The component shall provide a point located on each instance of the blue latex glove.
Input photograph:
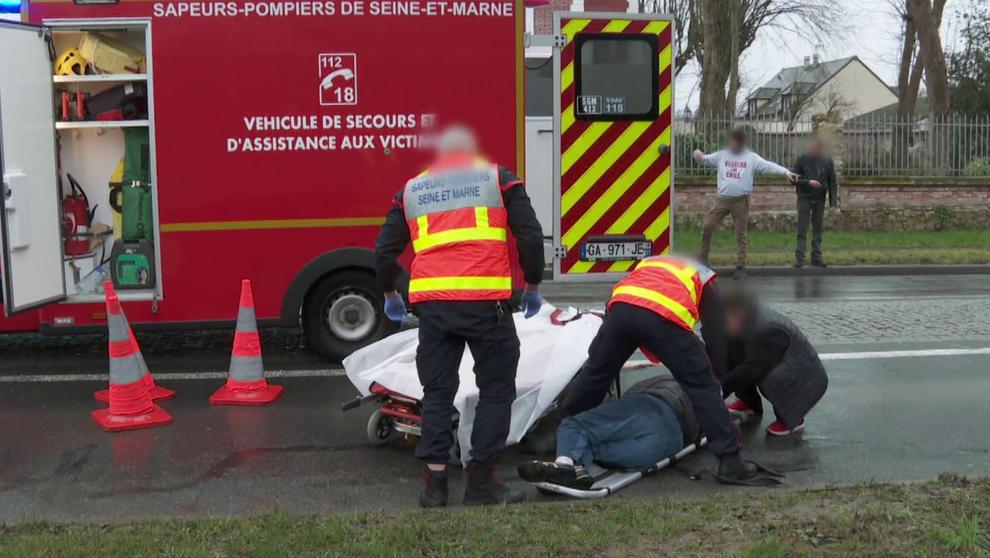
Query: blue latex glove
(531, 301)
(395, 307)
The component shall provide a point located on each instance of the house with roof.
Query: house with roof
(845, 88)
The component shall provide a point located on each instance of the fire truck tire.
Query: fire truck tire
(343, 312)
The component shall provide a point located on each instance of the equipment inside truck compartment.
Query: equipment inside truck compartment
(104, 136)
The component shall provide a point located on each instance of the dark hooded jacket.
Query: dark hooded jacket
(782, 363)
(665, 387)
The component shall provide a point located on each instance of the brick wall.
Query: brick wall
(606, 5)
(879, 205)
(695, 196)
(543, 16)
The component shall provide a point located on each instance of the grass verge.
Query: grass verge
(846, 248)
(947, 517)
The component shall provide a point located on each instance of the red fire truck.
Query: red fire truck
(279, 132)
(275, 135)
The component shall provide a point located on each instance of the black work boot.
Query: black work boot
(573, 476)
(434, 489)
(733, 469)
(484, 488)
(740, 273)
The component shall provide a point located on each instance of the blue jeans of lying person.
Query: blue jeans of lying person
(632, 432)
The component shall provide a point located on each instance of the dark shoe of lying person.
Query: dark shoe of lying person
(484, 488)
(434, 489)
(572, 476)
(733, 469)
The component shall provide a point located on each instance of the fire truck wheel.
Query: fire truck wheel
(381, 429)
(343, 312)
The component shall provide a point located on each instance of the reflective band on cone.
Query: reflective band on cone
(246, 383)
(130, 404)
(155, 391)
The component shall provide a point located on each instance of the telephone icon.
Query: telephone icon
(345, 73)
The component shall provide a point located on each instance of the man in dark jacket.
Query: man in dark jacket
(769, 356)
(817, 179)
(651, 421)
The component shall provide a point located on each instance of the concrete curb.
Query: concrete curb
(858, 270)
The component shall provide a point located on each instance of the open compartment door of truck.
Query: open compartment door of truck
(613, 81)
(30, 205)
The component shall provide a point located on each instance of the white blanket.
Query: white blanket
(550, 356)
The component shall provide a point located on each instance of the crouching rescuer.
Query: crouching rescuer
(656, 307)
(457, 214)
(769, 355)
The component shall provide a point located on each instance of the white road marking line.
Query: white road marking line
(337, 372)
(868, 355)
(166, 376)
(905, 354)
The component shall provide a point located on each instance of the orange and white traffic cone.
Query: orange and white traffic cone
(156, 392)
(246, 383)
(130, 405)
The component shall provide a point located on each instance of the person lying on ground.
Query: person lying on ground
(769, 356)
(651, 421)
(656, 308)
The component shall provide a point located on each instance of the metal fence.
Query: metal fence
(871, 144)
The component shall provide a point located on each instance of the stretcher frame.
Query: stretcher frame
(608, 482)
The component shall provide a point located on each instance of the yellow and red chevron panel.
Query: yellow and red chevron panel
(613, 179)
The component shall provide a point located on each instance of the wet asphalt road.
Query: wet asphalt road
(887, 416)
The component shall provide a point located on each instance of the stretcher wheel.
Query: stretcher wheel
(381, 430)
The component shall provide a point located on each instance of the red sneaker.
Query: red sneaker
(738, 407)
(779, 429)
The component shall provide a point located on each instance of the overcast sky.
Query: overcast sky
(872, 33)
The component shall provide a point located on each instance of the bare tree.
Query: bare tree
(741, 21)
(911, 65)
(922, 57)
(715, 55)
(829, 104)
(685, 34)
(926, 15)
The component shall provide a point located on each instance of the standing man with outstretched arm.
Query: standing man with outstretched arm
(457, 214)
(737, 166)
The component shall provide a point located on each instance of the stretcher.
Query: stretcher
(610, 481)
(397, 416)
(553, 346)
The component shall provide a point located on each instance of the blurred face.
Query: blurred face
(457, 139)
(734, 144)
(735, 323)
(816, 147)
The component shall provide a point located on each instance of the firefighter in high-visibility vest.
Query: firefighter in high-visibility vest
(656, 308)
(458, 214)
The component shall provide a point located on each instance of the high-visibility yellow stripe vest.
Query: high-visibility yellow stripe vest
(666, 285)
(459, 230)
